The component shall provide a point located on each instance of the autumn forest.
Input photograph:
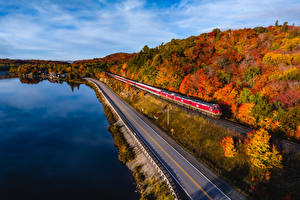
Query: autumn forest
(252, 73)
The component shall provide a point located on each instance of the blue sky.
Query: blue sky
(81, 29)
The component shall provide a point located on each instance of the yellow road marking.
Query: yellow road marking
(191, 178)
(174, 161)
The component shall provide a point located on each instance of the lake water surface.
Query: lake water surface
(54, 144)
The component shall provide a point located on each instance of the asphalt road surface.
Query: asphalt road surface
(195, 184)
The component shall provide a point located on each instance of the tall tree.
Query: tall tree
(261, 154)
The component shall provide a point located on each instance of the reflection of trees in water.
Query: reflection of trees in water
(55, 81)
(5, 74)
(25, 80)
(73, 85)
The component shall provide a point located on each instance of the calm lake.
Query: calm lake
(54, 144)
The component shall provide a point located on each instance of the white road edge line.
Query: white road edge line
(185, 159)
(153, 153)
(181, 156)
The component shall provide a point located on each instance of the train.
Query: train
(209, 109)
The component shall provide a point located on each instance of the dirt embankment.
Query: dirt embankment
(201, 138)
(149, 183)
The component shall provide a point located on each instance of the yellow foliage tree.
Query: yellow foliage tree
(277, 58)
(228, 147)
(261, 154)
(290, 44)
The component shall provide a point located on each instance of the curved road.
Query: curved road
(190, 179)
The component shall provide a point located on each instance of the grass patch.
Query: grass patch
(150, 188)
(202, 139)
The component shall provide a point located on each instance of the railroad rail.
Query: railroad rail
(191, 180)
(211, 111)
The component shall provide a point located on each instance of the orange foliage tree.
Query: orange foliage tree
(199, 85)
(244, 113)
(228, 147)
(127, 86)
(169, 77)
(227, 96)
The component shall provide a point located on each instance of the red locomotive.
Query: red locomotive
(210, 109)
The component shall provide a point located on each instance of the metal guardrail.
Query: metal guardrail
(174, 187)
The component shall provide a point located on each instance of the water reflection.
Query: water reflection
(54, 145)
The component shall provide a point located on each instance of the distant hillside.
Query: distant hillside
(75, 70)
(17, 62)
(115, 58)
(252, 73)
(93, 67)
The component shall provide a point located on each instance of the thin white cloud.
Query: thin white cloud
(124, 26)
(85, 29)
(201, 15)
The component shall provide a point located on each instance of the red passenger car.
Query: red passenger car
(210, 109)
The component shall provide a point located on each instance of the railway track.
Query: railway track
(239, 130)
(236, 127)
(195, 180)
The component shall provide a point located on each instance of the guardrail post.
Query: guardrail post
(159, 168)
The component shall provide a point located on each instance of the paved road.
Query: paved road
(192, 181)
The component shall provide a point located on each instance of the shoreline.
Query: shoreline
(148, 181)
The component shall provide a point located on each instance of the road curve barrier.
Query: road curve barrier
(175, 189)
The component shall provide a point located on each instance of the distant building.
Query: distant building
(52, 75)
(62, 75)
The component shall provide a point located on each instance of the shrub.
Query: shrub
(125, 152)
(244, 96)
(251, 72)
(277, 58)
(290, 121)
(140, 177)
(262, 108)
(294, 33)
(224, 76)
(290, 44)
(296, 59)
(259, 29)
(275, 46)
(291, 74)
(284, 27)
(217, 33)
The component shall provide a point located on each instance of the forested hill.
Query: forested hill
(94, 67)
(74, 70)
(252, 73)
(18, 62)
